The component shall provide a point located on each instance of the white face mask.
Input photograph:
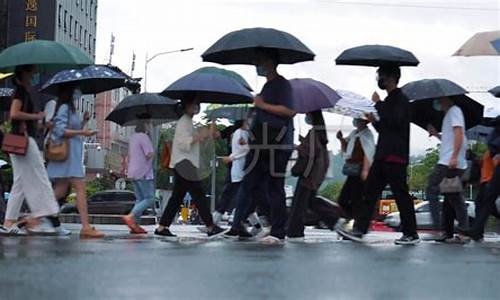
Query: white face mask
(77, 94)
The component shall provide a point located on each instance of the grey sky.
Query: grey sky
(327, 27)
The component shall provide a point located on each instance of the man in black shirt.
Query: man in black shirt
(391, 160)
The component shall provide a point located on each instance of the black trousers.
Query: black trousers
(304, 199)
(351, 196)
(266, 171)
(382, 174)
(226, 200)
(488, 207)
(181, 187)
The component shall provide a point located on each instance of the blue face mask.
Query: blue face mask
(261, 71)
(35, 79)
(308, 120)
(436, 105)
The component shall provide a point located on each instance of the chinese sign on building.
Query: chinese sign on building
(31, 23)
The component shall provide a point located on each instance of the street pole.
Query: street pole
(149, 59)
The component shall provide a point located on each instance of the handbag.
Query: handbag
(16, 143)
(56, 151)
(351, 169)
(451, 185)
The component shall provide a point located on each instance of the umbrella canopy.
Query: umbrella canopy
(310, 95)
(228, 73)
(232, 113)
(495, 91)
(376, 55)
(245, 46)
(479, 133)
(90, 80)
(5, 98)
(146, 106)
(422, 93)
(481, 44)
(208, 88)
(49, 56)
(353, 105)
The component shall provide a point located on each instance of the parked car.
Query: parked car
(423, 215)
(110, 202)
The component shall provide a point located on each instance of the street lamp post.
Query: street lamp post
(149, 59)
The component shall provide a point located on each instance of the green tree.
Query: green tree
(421, 169)
(331, 190)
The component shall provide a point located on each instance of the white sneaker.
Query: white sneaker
(255, 231)
(272, 241)
(253, 219)
(216, 217)
(14, 230)
(44, 228)
(61, 231)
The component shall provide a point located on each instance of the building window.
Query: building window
(59, 13)
(80, 35)
(65, 20)
(75, 29)
(70, 25)
(90, 43)
(85, 40)
(91, 8)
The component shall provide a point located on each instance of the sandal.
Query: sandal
(91, 233)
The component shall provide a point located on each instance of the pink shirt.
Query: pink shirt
(139, 166)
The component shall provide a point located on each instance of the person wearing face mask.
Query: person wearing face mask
(310, 168)
(358, 149)
(452, 162)
(30, 176)
(390, 160)
(269, 153)
(185, 162)
(71, 172)
(140, 171)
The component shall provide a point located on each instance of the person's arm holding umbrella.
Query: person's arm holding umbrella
(279, 110)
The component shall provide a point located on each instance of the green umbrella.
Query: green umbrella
(49, 56)
(228, 73)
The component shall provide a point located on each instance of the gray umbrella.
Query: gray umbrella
(479, 133)
(146, 106)
(246, 45)
(495, 91)
(229, 112)
(422, 93)
(376, 55)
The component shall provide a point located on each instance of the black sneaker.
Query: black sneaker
(443, 237)
(408, 240)
(232, 234)
(243, 234)
(353, 235)
(165, 232)
(216, 231)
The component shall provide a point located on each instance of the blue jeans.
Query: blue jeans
(145, 197)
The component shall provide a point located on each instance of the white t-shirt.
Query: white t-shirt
(453, 118)
(182, 147)
(238, 154)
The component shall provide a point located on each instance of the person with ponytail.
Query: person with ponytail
(30, 176)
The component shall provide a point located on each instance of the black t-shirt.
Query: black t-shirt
(23, 95)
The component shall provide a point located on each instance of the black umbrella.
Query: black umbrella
(376, 55)
(246, 45)
(146, 106)
(229, 112)
(90, 80)
(495, 91)
(422, 93)
(208, 87)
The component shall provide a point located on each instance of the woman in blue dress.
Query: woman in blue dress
(68, 125)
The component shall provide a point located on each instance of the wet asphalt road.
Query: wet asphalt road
(322, 267)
